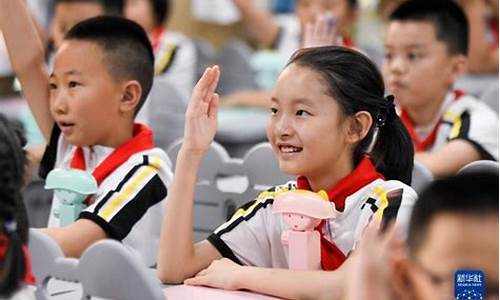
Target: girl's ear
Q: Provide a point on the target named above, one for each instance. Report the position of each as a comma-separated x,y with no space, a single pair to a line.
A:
359,125
131,96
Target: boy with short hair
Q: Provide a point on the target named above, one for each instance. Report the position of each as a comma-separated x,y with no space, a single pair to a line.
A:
426,51
454,226
102,74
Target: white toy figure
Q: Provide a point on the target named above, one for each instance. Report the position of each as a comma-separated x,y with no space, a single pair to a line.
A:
302,211
71,187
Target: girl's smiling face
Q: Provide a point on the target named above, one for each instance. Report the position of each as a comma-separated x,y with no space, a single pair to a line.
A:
307,129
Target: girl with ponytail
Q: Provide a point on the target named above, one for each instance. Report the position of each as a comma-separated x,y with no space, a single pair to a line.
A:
332,127
15,270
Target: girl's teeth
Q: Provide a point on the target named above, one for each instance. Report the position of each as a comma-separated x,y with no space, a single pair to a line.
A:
290,149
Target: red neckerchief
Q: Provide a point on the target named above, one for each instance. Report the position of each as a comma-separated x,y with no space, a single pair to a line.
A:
142,140
28,276
363,174
494,31
347,42
424,144
156,38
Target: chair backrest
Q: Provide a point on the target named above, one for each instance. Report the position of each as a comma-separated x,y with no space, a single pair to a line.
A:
212,206
44,251
490,97
237,72
166,112
421,176
205,55
488,166
108,270
261,166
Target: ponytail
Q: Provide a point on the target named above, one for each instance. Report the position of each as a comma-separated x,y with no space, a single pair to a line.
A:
13,220
355,83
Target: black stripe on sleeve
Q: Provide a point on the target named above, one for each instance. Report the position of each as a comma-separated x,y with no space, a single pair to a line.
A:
223,249
390,213
464,135
236,222
121,183
49,156
121,224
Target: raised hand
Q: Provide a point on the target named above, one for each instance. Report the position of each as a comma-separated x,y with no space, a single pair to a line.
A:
322,32
201,114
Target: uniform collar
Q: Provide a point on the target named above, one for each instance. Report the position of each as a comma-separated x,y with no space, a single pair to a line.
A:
362,175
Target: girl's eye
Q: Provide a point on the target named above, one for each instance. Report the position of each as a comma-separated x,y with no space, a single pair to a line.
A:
302,112
413,56
273,110
73,84
388,56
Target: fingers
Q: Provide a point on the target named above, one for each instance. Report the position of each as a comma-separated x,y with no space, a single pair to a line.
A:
213,106
207,84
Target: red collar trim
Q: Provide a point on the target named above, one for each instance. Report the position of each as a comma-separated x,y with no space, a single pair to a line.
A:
157,36
362,175
428,141
347,42
142,140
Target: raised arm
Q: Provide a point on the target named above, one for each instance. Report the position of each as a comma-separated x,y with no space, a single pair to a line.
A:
259,23
27,59
178,258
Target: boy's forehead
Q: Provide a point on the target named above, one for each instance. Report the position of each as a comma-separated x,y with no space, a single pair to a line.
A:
78,55
411,32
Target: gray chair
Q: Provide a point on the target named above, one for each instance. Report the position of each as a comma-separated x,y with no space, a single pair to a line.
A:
108,270
212,205
236,71
487,166
261,166
44,250
205,56
48,262
166,112
490,97
421,177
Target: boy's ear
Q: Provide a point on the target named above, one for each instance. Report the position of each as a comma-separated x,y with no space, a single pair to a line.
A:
131,96
359,125
401,281
459,65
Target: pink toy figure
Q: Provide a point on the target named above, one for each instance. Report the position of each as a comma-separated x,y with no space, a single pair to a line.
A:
302,211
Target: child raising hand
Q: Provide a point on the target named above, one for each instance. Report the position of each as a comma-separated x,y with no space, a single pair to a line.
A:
331,126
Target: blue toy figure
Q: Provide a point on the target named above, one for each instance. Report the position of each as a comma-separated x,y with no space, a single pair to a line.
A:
71,187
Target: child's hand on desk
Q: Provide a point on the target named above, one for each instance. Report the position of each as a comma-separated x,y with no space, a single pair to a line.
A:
201,114
220,274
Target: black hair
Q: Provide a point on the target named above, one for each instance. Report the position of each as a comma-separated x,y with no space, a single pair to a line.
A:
352,4
355,83
110,7
468,194
13,219
127,50
446,16
161,11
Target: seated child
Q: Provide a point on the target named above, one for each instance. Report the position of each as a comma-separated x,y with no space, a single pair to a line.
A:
69,12
315,23
175,54
14,256
426,51
454,226
102,74
332,127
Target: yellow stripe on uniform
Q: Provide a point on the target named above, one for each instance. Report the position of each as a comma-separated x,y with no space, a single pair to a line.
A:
382,195
455,119
130,188
165,61
240,213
